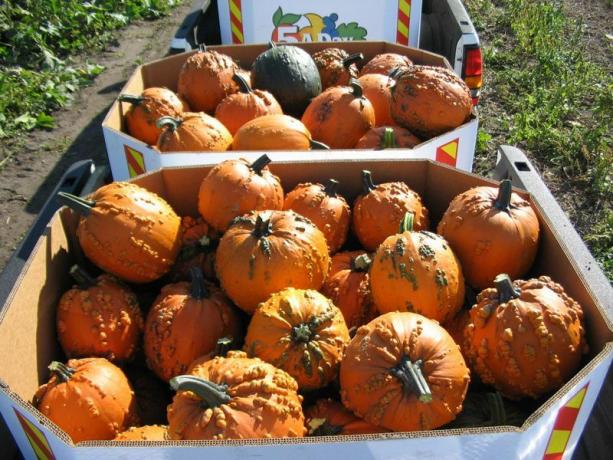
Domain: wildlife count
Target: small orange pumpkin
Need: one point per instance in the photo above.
(235, 187)
(90, 399)
(329, 418)
(388, 137)
(144, 433)
(264, 252)
(417, 272)
(301, 332)
(386, 63)
(198, 243)
(98, 317)
(377, 89)
(239, 108)
(146, 109)
(377, 213)
(348, 286)
(325, 208)
(492, 230)
(193, 132)
(235, 398)
(526, 338)
(205, 79)
(339, 116)
(404, 372)
(336, 66)
(275, 132)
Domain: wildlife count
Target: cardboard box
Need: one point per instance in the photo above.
(293, 21)
(130, 157)
(28, 343)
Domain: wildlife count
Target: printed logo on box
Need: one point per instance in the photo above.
(448, 153)
(36, 438)
(135, 161)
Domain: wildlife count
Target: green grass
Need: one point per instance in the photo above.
(559, 102)
(38, 40)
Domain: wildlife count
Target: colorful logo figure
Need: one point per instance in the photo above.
(311, 27)
(36, 438)
(448, 153)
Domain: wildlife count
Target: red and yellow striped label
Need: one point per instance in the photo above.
(448, 153)
(36, 438)
(563, 426)
(236, 21)
(135, 161)
(402, 27)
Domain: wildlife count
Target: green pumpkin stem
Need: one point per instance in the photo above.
(412, 378)
(361, 263)
(301, 333)
(395, 73)
(331, 187)
(407, 223)
(212, 394)
(505, 288)
(262, 227)
(83, 279)
(258, 165)
(389, 139)
(316, 145)
(242, 83)
(503, 200)
(172, 123)
(271, 44)
(352, 59)
(222, 346)
(63, 372)
(131, 99)
(497, 410)
(76, 203)
(356, 88)
(367, 183)
(202, 47)
(197, 289)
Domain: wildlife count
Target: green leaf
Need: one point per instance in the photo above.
(290, 18)
(45, 121)
(352, 31)
(276, 18)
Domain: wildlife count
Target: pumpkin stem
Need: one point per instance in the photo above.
(131, 99)
(503, 200)
(497, 411)
(505, 288)
(222, 346)
(172, 123)
(352, 59)
(367, 183)
(321, 427)
(389, 139)
(262, 227)
(331, 187)
(356, 88)
(202, 47)
(316, 145)
(212, 394)
(395, 72)
(76, 203)
(63, 372)
(361, 263)
(302, 333)
(198, 288)
(242, 83)
(83, 279)
(260, 164)
(407, 223)
(271, 44)
(412, 378)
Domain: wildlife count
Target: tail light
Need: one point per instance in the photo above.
(473, 70)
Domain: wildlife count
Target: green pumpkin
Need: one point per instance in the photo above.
(290, 74)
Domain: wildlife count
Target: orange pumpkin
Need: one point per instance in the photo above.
(336, 66)
(386, 63)
(388, 137)
(377, 213)
(430, 101)
(328, 418)
(205, 79)
(275, 132)
(348, 286)
(222, 348)
(417, 272)
(146, 109)
(404, 372)
(301, 332)
(235, 187)
(235, 398)
(185, 322)
(325, 208)
(144, 433)
(127, 231)
(526, 338)
(193, 132)
(492, 230)
(264, 252)
(90, 399)
(198, 243)
(239, 108)
(98, 317)
(377, 89)
(339, 116)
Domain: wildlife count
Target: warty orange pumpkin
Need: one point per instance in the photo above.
(388, 137)
(385, 63)
(193, 132)
(144, 433)
(198, 243)
(377, 88)
(336, 67)
(328, 418)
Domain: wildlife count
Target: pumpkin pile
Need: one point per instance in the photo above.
(290, 313)
(292, 100)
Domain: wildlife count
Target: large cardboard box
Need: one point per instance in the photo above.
(28, 343)
(130, 157)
